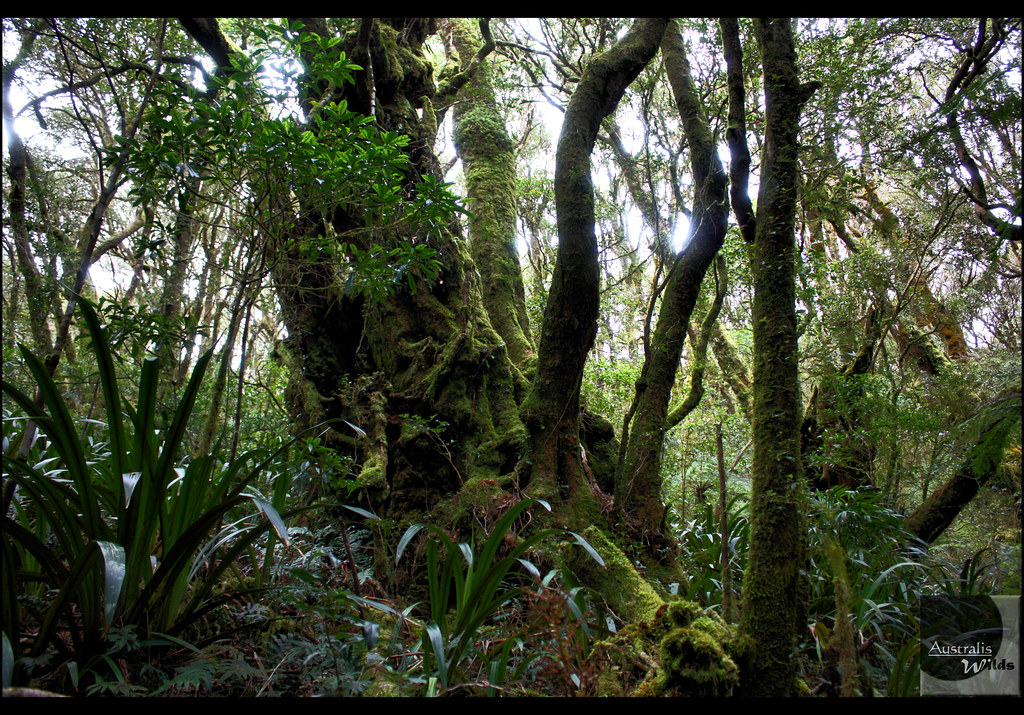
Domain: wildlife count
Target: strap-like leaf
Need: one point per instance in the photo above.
(176, 431)
(59, 426)
(114, 566)
(406, 538)
(362, 512)
(108, 382)
(435, 642)
(588, 548)
(275, 519)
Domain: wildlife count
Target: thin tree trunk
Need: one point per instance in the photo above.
(17, 174)
(638, 483)
(88, 239)
(725, 560)
(995, 426)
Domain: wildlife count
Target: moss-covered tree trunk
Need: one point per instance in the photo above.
(489, 164)
(421, 379)
(993, 427)
(638, 482)
(771, 608)
(734, 370)
(552, 409)
(432, 379)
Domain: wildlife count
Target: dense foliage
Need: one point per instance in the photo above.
(284, 346)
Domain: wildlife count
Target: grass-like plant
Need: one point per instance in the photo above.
(701, 542)
(122, 534)
(466, 590)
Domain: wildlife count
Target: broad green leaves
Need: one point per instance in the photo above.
(259, 136)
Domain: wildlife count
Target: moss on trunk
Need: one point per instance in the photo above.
(994, 427)
(638, 483)
(618, 581)
(552, 408)
(771, 608)
(422, 384)
(668, 648)
(488, 157)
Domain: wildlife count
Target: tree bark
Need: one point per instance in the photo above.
(638, 482)
(418, 384)
(989, 42)
(734, 370)
(995, 425)
(17, 174)
(488, 158)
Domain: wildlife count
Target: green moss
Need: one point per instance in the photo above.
(675, 649)
(682, 651)
(682, 614)
(478, 501)
(693, 662)
(373, 474)
(618, 581)
(483, 129)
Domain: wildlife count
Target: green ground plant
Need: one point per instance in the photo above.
(701, 546)
(467, 589)
(126, 532)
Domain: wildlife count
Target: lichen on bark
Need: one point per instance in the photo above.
(772, 609)
(488, 157)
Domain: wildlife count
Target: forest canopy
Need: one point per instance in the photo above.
(591, 356)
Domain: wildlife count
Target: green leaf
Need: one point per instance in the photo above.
(406, 538)
(8, 662)
(588, 548)
(435, 640)
(362, 512)
(275, 519)
(114, 570)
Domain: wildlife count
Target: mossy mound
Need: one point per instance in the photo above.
(682, 652)
(669, 648)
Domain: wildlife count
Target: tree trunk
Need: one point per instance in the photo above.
(734, 370)
(552, 410)
(420, 373)
(36, 296)
(771, 608)
(638, 482)
(994, 426)
(489, 163)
